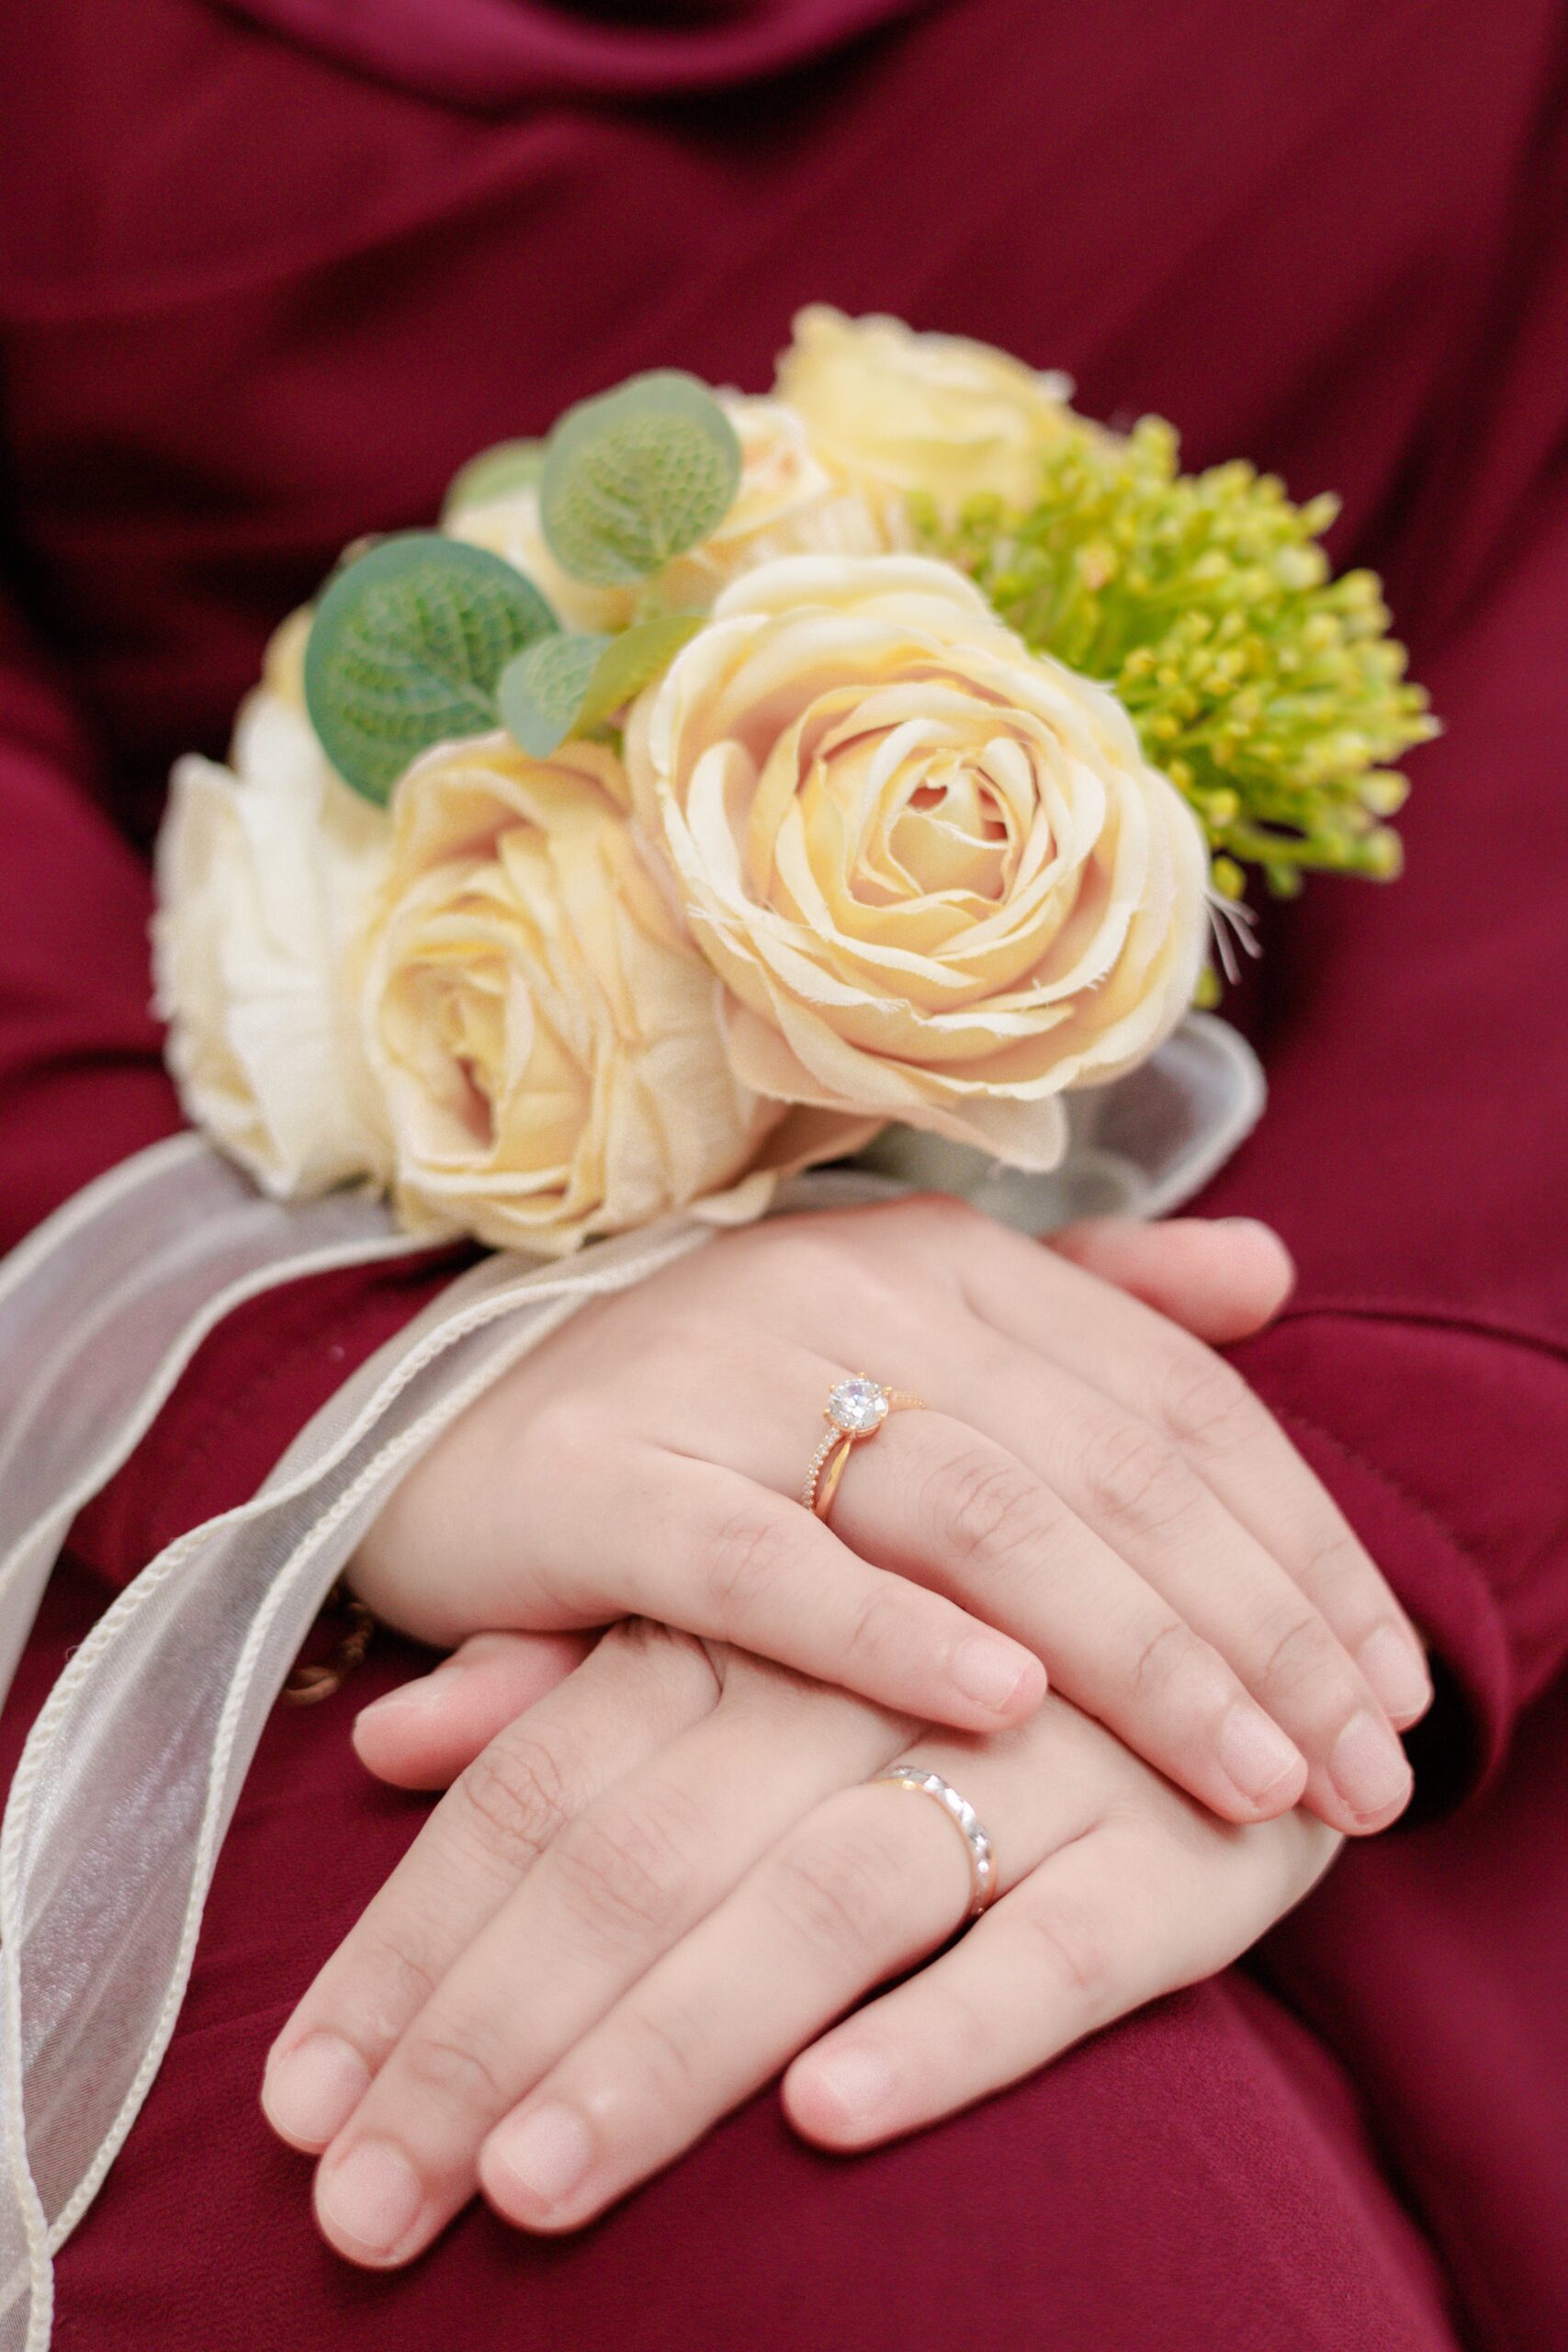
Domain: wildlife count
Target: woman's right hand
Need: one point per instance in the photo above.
(655, 1888)
(1091, 1486)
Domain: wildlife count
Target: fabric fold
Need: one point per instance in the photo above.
(494, 54)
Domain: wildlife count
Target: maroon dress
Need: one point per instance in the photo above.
(268, 272)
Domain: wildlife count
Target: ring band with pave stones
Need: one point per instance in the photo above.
(855, 1409)
(967, 1822)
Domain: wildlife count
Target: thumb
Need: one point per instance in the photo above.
(426, 1732)
(1220, 1278)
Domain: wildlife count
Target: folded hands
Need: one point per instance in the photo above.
(654, 1883)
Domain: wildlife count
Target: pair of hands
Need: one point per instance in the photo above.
(676, 1850)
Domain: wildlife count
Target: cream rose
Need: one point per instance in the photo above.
(265, 868)
(788, 504)
(936, 872)
(890, 411)
(546, 1039)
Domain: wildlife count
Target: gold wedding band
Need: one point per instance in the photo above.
(855, 1410)
(965, 1820)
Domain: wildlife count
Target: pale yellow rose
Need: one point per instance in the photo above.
(787, 503)
(546, 1038)
(937, 874)
(265, 868)
(890, 411)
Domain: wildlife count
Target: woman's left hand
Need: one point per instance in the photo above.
(683, 1857)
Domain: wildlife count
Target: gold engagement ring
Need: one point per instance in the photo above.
(855, 1410)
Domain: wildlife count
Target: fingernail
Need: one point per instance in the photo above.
(310, 2094)
(1256, 1754)
(989, 1672)
(857, 2080)
(373, 2196)
(545, 2152)
(1397, 1672)
(1368, 1766)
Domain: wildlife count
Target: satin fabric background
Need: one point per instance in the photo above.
(268, 274)
(491, 54)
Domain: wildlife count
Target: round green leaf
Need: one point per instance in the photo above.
(405, 650)
(495, 473)
(541, 692)
(569, 685)
(631, 662)
(636, 477)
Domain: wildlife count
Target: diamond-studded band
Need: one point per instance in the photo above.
(855, 1409)
(962, 1814)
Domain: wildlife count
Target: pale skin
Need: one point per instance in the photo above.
(676, 1848)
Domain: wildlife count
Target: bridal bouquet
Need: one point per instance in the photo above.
(728, 778)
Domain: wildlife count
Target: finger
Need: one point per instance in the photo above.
(872, 1882)
(1220, 1278)
(946, 1505)
(1167, 1654)
(619, 1886)
(1102, 1927)
(735, 1562)
(423, 1733)
(640, 1687)
(1202, 1404)
(1163, 1658)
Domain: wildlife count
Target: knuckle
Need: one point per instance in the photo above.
(974, 2033)
(1335, 1569)
(1133, 1477)
(812, 1256)
(838, 1892)
(988, 1510)
(1204, 1404)
(1075, 1954)
(512, 1798)
(665, 2043)
(398, 1984)
(561, 1437)
(867, 1304)
(750, 1553)
(1299, 1652)
(625, 1873)
(456, 2065)
(1171, 1651)
(880, 1624)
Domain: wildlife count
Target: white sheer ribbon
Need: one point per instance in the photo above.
(133, 1770)
(102, 1308)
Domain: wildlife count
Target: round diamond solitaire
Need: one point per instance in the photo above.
(855, 1409)
(858, 1407)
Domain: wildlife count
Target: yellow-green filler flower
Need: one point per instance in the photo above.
(1268, 692)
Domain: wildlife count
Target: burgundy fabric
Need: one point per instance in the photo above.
(262, 285)
(493, 53)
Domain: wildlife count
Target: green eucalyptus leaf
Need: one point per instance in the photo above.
(406, 649)
(569, 685)
(495, 473)
(633, 660)
(636, 477)
(541, 692)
